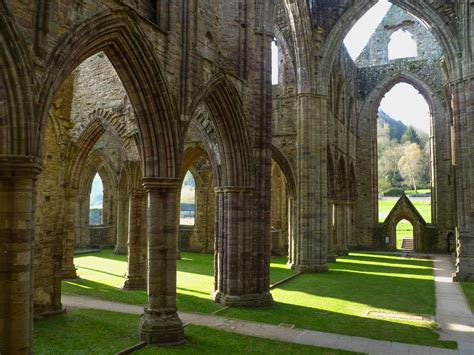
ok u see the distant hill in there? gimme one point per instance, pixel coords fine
(398, 128)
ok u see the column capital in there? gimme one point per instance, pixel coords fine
(158, 183)
(234, 189)
(136, 192)
(18, 165)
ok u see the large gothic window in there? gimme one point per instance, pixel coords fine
(188, 200)
(402, 45)
(96, 204)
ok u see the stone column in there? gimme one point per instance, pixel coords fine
(160, 323)
(135, 279)
(69, 241)
(463, 99)
(341, 228)
(236, 283)
(17, 196)
(291, 228)
(310, 253)
(331, 252)
(122, 225)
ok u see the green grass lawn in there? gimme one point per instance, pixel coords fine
(102, 275)
(340, 301)
(424, 207)
(101, 332)
(419, 191)
(337, 302)
(404, 230)
(468, 288)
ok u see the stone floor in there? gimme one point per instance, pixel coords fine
(452, 314)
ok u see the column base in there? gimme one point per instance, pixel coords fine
(464, 270)
(332, 257)
(342, 250)
(121, 250)
(134, 284)
(309, 269)
(161, 328)
(252, 300)
(69, 272)
(46, 313)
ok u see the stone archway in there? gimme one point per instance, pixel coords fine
(441, 168)
(242, 252)
(423, 235)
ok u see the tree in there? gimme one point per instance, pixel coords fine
(411, 136)
(411, 165)
(389, 175)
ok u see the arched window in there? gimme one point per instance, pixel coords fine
(275, 63)
(96, 204)
(402, 45)
(405, 235)
(188, 200)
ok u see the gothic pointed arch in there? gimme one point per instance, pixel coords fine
(425, 12)
(299, 18)
(285, 166)
(341, 180)
(372, 102)
(228, 122)
(17, 125)
(117, 34)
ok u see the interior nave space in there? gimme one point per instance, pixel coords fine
(243, 176)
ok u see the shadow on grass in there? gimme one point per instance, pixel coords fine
(390, 258)
(100, 271)
(339, 323)
(338, 301)
(187, 300)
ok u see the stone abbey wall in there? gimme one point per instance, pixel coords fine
(125, 87)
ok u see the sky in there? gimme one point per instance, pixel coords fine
(406, 104)
(97, 193)
(403, 102)
(359, 35)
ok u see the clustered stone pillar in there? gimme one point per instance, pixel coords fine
(69, 241)
(122, 225)
(135, 279)
(291, 228)
(17, 196)
(235, 281)
(160, 323)
(341, 228)
(331, 217)
(463, 94)
(310, 252)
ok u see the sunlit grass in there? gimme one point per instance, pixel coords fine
(468, 288)
(419, 192)
(423, 207)
(101, 332)
(102, 275)
(338, 301)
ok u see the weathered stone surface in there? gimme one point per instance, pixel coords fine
(120, 89)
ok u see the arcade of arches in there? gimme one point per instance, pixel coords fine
(141, 92)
